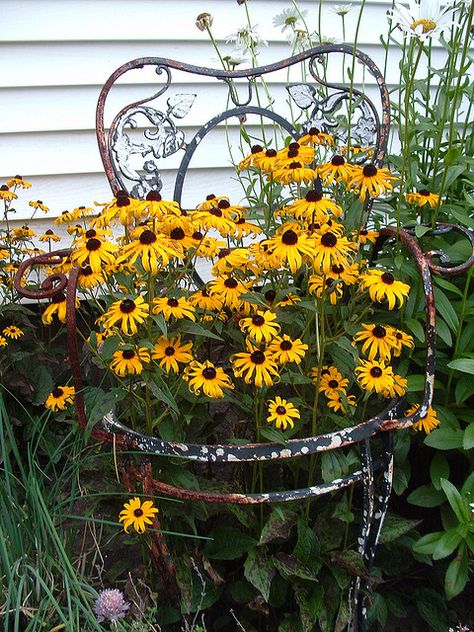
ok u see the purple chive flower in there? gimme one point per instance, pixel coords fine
(110, 605)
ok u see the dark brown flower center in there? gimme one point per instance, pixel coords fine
(209, 373)
(379, 331)
(49, 232)
(333, 383)
(59, 298)
(91, 233)
(369, 171)
(314, 131)
(292, 153)
(128, 354)
(224, 252)
(313, 196)
(295, 165)
(153, 196)
(147, 237)
(324, 372)
(177, 233)
(257, 357)
(286, 345)
(329, 240)
(211, 196)
(173, 302)
(280, 410)
(289, 238)
(376, 371)
(337, 268)
(197, 235)
(223, 204)
(270, 295)
(399, 335)
(4, 188)
(338, 161)
(58, 392)
(127, 306)
(169, 351)
(364, 232)
(93, 244)
(388, 278)
(424, 192)
(258, 320)
(230, 283)
(215, 211)
(86, 270)
(123, 200)
(137, 513)
(270, 153)
(256, 149)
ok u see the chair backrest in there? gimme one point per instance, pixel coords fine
(144, 134)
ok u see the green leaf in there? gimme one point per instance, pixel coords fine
(416, 383)
(395, 526)
(109, 347)
(228, 544)
(432, 608)
(160, 389)
(378, 610)
(290, 566)
(421, 230)
(427, 544)
(447, 543)
(349, 560)
(307, 545)
(465, 365)
(464, 388)
(41, 380)
(309, 600)
(458, 504)
(445, 439)
(439, 468)
(443, 331)
(259, 571)
(457, 574)
(468, 441)
(99, 402)
(278, 525)
(416, 328)
(426, 496)
(197, 330)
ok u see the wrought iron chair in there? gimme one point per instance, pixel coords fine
(119, 148)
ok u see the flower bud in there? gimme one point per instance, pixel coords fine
(204, 21)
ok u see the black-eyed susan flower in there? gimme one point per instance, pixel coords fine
(314, 207)
(211, 201)
(383, 286)
(137, 514)
(38, 204)
(374, 375)
(336, 170)
(398, 388)
(157, 207)
(128, 312)
(378, 341)
(65, 218)
(18, 181)
(288, 300)
(294, 172)
(291, 246)
(285, 350)
(261, 327)
(208, 378)
(88, 278)
(330, 248)
(268, 161)
(170, 351)
(155, 251)
(127, 361)
(3, 341)
(370, 181)
(324, 286)
(341, 402)
(24, 232)
(59, 398)
(229, 290)
(93, 249)
(295, 152)
(364, 235)
(243, 228)
(174, 307)
(122, 207)
(202, 299)
(256, 366)
(216, 217)
(13, 332)
(402, 339)
(282, 413)
(249, 160)
(6, 194)
(316, 137)
(49, 236)
(58, 307)
(423, 197)
(230, 259)
(427, 423)
(332, 383)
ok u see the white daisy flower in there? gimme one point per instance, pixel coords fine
(342, 9)
(299, 39)
(289, 18)
(246, 38)
(236, 57)
(423, 19)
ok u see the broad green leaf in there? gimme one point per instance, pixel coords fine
(427, 544)
(445, 307)
(439, 468)
(468, 442)
(197, 330)
(465, 365)
(445, 439)
(395, 526)
(432, 608)
(416, 328)
(290, 566)
(457, 574)
(426, 496)
(259, 571)
(458, 504)
(228, 544)
(160, 389)
(278, 525)
(447, 543)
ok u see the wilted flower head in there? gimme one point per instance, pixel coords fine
(204, 21)
(299, 39)
(289, 18)
(246, 38)
(342, 9)
(423, 19)
(111, 605)
(235, 58)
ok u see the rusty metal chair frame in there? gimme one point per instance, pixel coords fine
(165, 139)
